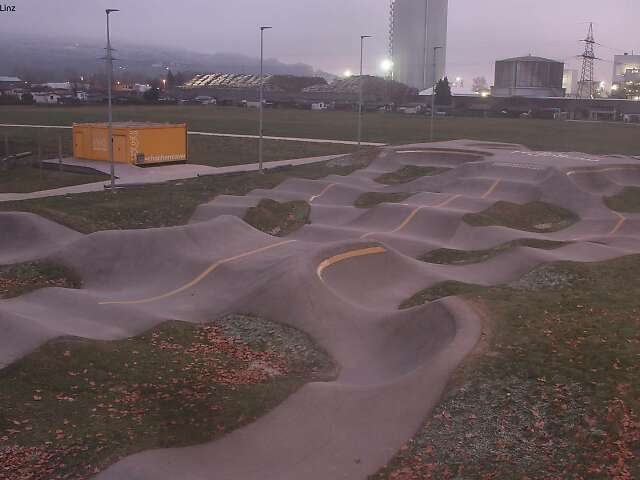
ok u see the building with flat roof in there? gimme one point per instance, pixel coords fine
(528, 77)
(626, 76)
(418, 41)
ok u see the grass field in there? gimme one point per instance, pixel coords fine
(552, 391)
(213, 151)
(171, 203)
(32, 179)
(378, 127)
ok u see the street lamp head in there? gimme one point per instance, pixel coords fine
(386, 65)
(362, 37)
(110, 10)
(265, 28)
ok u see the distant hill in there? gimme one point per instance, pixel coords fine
(59, 59)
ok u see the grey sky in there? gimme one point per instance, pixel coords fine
(324, 33)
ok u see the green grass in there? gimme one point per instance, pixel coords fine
(551, 391)
(18, 279)
(212, 151)
(33, 179)
(372, 199)
(447, 256)
(531, 217)
(168, 204)
(627, 201)
(278, 219)
(409, 173)
(75, 406)
(598, 138)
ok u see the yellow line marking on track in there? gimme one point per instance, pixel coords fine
(621, 221)
(199, 278)
(492, 188)
(324, 190)
(602, 170)
(412, 215)
(347, 255)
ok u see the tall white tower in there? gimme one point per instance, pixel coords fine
(418, 40)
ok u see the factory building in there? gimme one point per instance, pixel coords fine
(625, 65)
(528, 77)
(418, 41)
(626, 76)
(570, 82)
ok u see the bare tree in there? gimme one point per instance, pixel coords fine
(480, 84)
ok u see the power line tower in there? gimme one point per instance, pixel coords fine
(586, 87)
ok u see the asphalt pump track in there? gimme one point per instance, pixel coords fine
(340, 279)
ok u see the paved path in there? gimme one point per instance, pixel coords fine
(340, 279)
(230, 135)
(130, 174)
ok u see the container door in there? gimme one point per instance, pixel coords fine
(78, 144)
(120, 149)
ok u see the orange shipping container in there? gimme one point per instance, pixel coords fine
(134, 143)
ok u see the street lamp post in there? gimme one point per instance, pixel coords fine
(433, 92)
(361, 81)
(261, 106)
(109, 59)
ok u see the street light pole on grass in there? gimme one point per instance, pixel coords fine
(109, 59)
(433, 92)
(360, 96)
(261, 106)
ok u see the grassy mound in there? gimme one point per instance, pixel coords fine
(531, 217)
(408, 173)
(438, 291)
(372, 199)
(626, 201)
(551, 393)
(447, 256)
(16, 280)
(278, 219)
(75, 406)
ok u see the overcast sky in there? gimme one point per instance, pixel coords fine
(324, 33)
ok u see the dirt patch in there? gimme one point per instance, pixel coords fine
(18, 279)
(74, 406)
(408, 173)
(372, 199)
(533, 217)
(278, 219)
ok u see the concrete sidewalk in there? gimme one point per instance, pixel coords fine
(130, 174)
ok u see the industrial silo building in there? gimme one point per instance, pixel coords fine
(418, 41)
(528, 77)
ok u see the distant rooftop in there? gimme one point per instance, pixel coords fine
(7, 79)
(129, 124)
(272, 83)
(529, 58)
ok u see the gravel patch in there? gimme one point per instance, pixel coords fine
(548, 277)
(295, 345)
